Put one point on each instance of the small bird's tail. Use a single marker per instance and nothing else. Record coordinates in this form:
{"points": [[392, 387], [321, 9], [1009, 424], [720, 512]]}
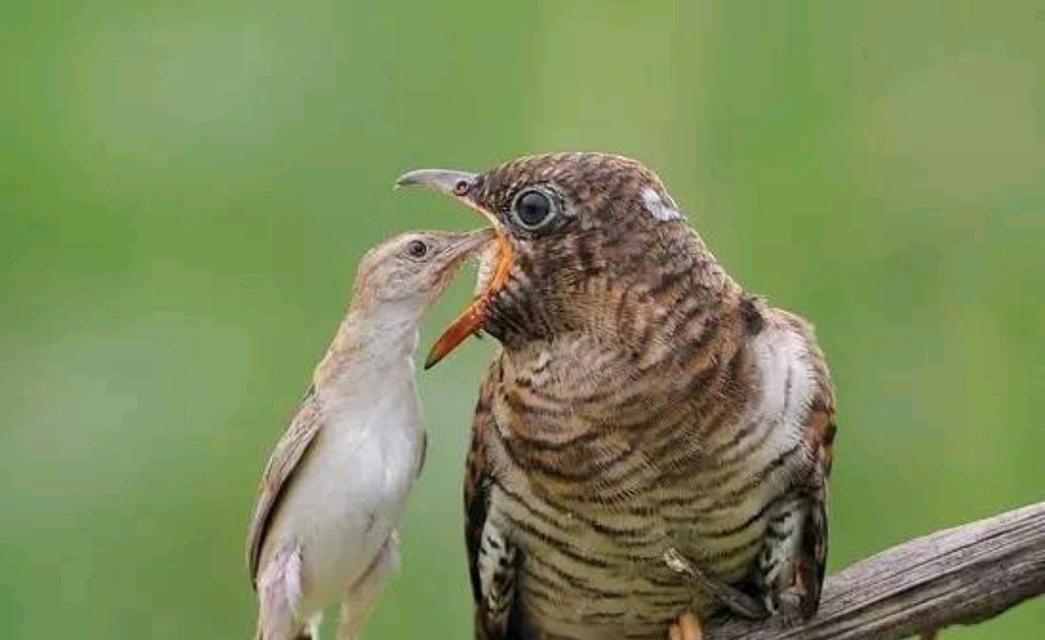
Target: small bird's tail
{"points": [[305, 635], [279, 597]]}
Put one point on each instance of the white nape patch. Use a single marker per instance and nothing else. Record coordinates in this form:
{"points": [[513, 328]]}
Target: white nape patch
{"points": [[657, 207]]}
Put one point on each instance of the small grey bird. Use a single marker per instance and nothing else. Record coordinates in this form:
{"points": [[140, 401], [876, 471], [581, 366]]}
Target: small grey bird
{"points": [[324, 523]]}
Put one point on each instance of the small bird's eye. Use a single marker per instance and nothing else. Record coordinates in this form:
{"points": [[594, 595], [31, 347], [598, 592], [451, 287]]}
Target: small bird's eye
{"points": [[533, 209], [417, 249]]}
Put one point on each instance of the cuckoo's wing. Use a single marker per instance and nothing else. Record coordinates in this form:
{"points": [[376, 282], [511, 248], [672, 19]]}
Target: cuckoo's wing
{"points": [[803, 548], [491, 556], [811, 563]]}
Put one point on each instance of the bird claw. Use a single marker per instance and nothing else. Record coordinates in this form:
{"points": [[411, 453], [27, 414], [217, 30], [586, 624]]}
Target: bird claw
{"points": [[789, 609], [728, 596], [677, 563], [686, 627]]}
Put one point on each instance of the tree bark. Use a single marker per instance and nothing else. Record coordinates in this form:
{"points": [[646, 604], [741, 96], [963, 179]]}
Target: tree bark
{"points": [[963, 575]]}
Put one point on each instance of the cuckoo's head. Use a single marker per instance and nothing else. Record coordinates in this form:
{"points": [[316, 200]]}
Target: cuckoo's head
{"points": [[572, 229]]}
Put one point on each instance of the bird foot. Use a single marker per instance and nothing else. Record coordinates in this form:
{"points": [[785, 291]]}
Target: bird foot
{"points": [[728, 596], [789, 609], [687, 627]]}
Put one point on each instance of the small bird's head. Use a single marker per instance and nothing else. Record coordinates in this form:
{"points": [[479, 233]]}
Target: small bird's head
{"points": [[574, 230], [412, 269]]}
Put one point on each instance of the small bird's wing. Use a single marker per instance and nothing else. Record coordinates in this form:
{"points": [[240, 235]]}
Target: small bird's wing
{"points": [[281, 465], [794, 559], [491, 556]]}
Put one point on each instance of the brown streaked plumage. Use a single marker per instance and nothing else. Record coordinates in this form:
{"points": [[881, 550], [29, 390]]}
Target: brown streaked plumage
{"points": [[642, 404]]}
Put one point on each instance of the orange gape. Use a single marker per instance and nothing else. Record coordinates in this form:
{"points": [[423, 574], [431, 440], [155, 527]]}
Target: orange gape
{"points": [[471, 319]]}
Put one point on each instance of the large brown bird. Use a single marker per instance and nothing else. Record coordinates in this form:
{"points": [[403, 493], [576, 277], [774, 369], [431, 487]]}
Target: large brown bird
{"points": [[643, 407]]}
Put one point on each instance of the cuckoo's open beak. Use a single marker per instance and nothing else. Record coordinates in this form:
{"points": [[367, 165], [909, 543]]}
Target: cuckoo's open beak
{"points": [[458, 185]]}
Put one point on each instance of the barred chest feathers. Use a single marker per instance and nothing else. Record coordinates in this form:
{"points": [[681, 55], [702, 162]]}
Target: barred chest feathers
{"points": [[601, 466]]}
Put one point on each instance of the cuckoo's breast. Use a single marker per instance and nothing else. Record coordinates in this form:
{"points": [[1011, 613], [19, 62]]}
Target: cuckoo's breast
{"points": [[603, 466]]}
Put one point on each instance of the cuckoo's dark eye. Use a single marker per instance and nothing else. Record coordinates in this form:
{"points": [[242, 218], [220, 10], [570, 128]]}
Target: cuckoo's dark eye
{"points": [[533, 209], [416, 249]]}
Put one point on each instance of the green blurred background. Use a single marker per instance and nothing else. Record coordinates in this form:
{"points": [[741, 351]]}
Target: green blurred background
{"points": [[186, 186]]}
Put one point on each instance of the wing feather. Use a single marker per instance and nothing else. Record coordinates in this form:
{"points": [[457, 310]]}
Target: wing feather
{"points": [[286, 457], [491, 556], [819, 432]]}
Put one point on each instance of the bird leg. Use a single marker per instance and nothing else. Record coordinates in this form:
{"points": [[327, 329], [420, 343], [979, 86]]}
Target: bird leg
{"points": [[687, 627], [728, 596]]}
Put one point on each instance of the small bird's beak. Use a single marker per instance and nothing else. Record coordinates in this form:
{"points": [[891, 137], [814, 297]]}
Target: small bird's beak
{"points": [[458, 184], [465, 246]]}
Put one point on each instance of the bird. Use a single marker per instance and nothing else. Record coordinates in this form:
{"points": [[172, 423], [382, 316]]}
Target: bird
{"points": [[324, 524], [651, 444]]}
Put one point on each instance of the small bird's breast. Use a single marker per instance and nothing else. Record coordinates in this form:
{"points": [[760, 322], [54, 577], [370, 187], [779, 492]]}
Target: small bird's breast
{"points": [[350, 492]]}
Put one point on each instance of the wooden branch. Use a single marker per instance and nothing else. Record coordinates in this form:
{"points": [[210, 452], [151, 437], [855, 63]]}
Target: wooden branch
{"points": [[962, 575]]}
